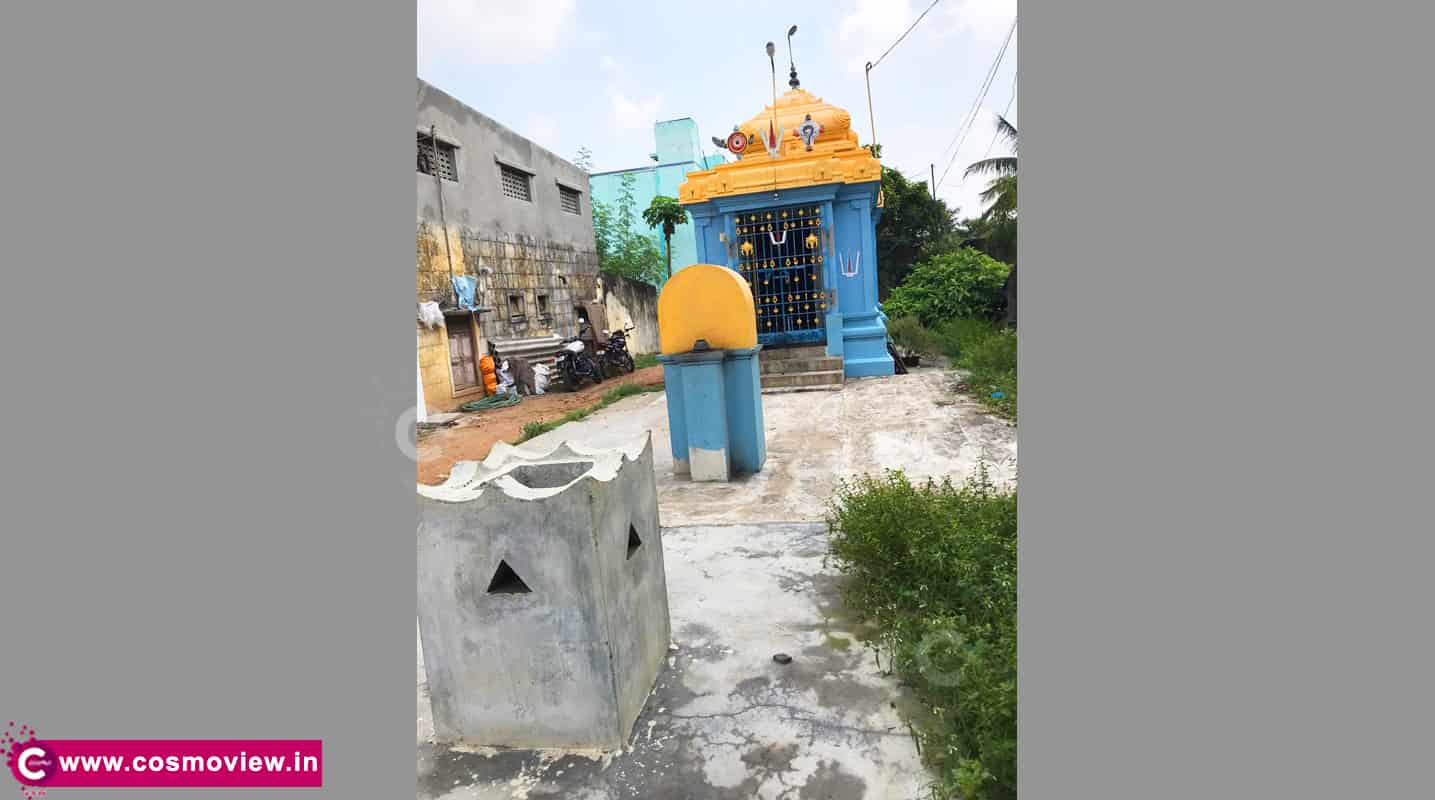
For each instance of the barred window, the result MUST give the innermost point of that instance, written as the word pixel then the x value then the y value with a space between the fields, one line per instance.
pixel 516 183
pixel 445 158
pixel 517 315
pixel 569 199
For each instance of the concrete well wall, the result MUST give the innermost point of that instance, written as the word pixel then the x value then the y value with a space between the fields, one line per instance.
pixel 569 662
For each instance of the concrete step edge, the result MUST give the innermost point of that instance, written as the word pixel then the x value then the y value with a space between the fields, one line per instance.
pixel 802 378
pixel 788 353
pixel 801 365
pixel 820 387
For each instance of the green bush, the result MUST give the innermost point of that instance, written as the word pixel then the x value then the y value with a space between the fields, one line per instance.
pixel 912 336
pixel 964 283
pixel 933 566
pixel 987 352
pixel 957 335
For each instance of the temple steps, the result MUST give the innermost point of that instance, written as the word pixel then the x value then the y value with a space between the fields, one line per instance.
pixel 800 369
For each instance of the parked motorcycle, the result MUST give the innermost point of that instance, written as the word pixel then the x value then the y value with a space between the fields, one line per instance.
pixel 615 355
pixel 575 364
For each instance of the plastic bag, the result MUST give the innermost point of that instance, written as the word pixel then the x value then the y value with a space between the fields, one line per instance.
pixel 540 379
pixel 490 376
pixel 430 315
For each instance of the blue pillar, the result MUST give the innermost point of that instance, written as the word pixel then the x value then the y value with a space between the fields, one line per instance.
pixel 715 413
pixel 744 410
pixel 704 414
pixel 677 419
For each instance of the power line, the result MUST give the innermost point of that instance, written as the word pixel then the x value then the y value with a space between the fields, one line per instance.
pixel 871 115
pixel 904 35
pixel 966 129
pixel 971 117
pixel 986 84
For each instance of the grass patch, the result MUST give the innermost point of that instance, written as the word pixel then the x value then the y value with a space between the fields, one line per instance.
pixel 933 567
pixel 987 352
pixel 626 390
pixel 645 360
pixel 540 427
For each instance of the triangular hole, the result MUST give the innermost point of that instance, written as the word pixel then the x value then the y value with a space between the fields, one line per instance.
pixel 506 581
pixel 634 541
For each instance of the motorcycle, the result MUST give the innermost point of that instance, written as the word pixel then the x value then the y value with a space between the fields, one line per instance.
pixel 574 364
pixel 615 355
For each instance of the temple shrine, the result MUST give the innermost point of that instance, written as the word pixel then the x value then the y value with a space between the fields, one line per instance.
pixel 796 217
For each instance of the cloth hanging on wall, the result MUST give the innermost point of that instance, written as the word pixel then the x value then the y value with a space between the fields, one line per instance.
pixel 463 286
pixel 431 315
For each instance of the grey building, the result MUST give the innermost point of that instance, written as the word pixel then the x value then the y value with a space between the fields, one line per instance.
pixel 513 216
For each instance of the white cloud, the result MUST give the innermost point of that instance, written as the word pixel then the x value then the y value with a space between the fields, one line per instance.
pixel 873 25
pixel 543 129
pixel 870 28
pixel 490 31
pixel 630 114
pixel 985 20
pixel 631 110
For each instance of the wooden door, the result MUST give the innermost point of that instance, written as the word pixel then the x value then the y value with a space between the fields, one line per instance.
pixel 461 360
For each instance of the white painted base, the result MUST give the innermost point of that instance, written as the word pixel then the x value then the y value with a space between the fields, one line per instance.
pixel 708 465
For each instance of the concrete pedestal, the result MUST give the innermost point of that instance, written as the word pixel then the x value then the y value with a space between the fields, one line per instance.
pixel 543 607
pixel 715 413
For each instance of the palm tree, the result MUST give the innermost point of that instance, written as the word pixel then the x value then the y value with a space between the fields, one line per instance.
pixel 1001 192
pixel 1000 217
pixel 666 212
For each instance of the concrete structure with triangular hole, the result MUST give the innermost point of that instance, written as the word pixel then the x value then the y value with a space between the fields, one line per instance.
pixel 543 605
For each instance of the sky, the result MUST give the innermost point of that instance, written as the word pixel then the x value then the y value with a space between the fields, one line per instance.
pixel 569 74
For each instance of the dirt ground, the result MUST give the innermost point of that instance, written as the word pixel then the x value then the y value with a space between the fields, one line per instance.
pixel 472 436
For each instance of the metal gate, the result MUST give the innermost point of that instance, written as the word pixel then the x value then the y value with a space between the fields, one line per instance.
pixel 779 253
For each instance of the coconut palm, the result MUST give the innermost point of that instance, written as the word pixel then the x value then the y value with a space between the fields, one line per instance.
pixel 1001 192
pixel 665 212
pixel 999 220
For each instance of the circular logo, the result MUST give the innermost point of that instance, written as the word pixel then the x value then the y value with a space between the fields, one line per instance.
pixel 406 433
pixel 737 141
pixel 935 657
pixel 33 763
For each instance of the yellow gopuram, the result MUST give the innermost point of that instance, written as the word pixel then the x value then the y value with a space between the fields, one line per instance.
pixel 835 157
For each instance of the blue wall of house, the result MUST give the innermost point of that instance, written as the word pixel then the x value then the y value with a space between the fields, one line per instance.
pixel 679 151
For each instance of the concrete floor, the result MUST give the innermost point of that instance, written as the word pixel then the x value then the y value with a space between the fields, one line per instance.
pixel 913 422
pixel 747 580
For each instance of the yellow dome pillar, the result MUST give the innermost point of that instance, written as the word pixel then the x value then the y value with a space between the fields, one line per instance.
pixel 707 332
